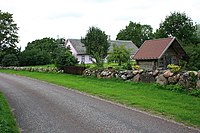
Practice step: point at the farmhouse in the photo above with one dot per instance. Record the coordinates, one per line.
(157, 54)
(78, 49)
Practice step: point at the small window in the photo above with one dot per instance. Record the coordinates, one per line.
(83, 59)
(90, 58)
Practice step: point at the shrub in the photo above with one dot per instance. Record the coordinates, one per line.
(10, 60)
(136, 67)
(174, 68)
(65, 59)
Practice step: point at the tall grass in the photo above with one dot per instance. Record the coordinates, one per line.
(7, 121)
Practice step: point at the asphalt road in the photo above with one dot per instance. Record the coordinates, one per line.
(41, 107)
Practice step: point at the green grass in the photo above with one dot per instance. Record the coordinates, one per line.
(149, 97)
(7, 121)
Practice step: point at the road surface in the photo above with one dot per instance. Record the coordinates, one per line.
(41, 107)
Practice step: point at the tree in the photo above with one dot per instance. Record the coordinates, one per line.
(136, 32)
(42, 51)
(194, 60)
(119, 54)
(178, 25)
(34, 57)
(10, 60)
(65, 59)
(96, 44)
(8, 35)
(49, 45)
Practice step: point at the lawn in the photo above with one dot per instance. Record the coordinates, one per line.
(7, 121)
(149, 97)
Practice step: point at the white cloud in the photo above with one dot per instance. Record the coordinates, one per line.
(71, 19)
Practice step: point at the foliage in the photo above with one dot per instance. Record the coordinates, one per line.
(41, 52)
(50, 45)
(136, 67)
(119, 54)
(194, 60)
(7, 121)
(179, 106)
(128, 65)
(96, 44)
(178, 25)
(34, 57)
(65, 59)
(10, 60)
(174, 68)
(175, 88)
(8, 35)
(195, 92)
(136, 32)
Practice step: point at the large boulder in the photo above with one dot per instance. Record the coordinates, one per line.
(155, 73)
(147, 78)
(198, 84)
(136, 78)
(167, 74)
(172, 80)
(160, 79)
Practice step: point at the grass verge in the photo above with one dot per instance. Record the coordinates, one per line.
(7, 121)
(149, 97)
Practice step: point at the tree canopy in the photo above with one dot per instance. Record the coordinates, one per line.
(42, 51)
(119, 54)
(178, 25)
(136, 32)
(8, 35)
(96, 44)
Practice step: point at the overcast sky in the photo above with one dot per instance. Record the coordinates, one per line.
(72, 18)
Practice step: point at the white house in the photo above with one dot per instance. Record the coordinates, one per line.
(79, 51)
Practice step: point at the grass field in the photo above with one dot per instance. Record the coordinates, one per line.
(148, 97)
(7, 121)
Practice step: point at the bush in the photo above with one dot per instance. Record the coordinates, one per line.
(10, 60)
(174, 68)
(136, 67)
(65, 59)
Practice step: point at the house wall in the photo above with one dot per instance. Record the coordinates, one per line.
(68, 44)
(81, 58)
(146, 64)
(84, 59)
(169, 57)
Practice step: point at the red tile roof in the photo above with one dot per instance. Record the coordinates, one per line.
(153, 49)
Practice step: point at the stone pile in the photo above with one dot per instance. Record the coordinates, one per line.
(34, 69)
(188, 79)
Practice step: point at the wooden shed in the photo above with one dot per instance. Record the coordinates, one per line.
(157, 54)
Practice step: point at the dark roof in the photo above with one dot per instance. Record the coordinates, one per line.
(81, 49)
(127, 44)
(154, 49)
(78, 46)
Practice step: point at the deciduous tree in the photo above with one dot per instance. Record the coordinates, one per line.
(8, 35)
(136, 32)
(119, 54)
(96, 44)
(178, 25)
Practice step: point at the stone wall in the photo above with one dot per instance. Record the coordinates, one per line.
(188, 79)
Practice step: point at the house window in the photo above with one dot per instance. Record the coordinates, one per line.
(90, 58)
(82, 59)
(174, 60)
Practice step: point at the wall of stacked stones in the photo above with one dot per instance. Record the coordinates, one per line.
(187, 79)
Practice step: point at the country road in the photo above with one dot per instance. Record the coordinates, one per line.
(41, 107)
